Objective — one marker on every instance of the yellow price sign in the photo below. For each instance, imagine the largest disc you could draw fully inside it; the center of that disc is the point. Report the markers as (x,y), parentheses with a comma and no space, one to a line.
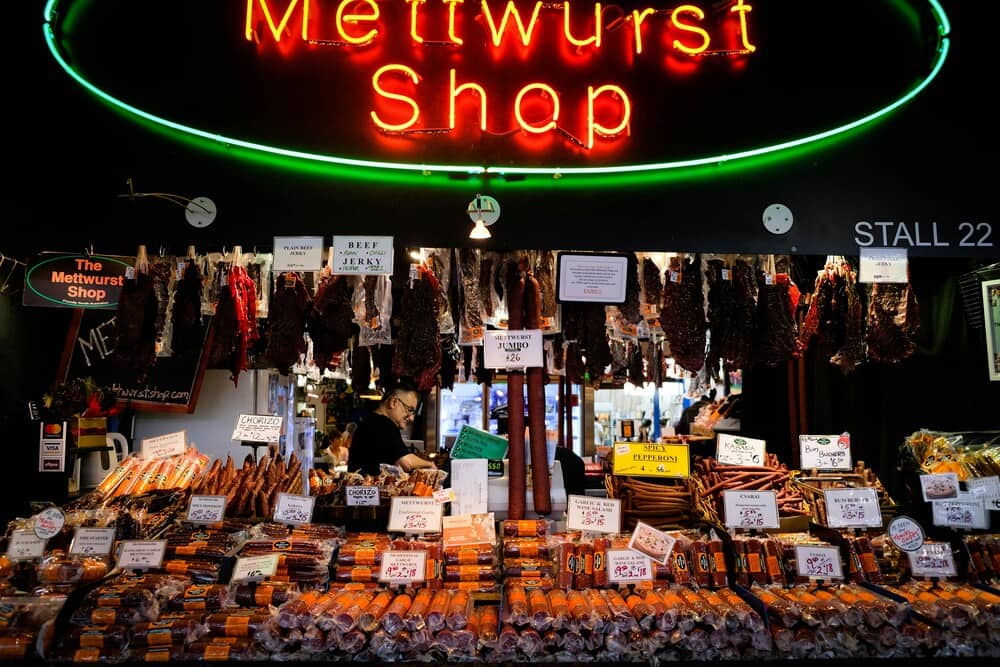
(652,459)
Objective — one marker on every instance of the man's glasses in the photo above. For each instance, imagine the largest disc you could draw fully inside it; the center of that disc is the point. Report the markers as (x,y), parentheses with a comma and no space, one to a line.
(410,410)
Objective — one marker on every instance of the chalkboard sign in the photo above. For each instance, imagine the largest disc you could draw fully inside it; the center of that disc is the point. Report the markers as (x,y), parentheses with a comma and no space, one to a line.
(171,384)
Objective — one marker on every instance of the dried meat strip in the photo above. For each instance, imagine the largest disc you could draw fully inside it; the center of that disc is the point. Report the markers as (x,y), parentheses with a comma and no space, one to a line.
(683,315)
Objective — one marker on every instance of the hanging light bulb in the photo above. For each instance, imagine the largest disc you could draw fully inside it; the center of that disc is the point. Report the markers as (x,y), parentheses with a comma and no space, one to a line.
(480,231)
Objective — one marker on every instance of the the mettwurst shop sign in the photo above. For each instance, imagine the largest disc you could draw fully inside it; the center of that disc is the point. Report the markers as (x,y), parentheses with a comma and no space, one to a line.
(75,281)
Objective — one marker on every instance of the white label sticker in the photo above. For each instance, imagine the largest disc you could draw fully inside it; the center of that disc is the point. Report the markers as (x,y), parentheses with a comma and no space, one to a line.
(906,534)
(25,545)
(513,349)
(652,542)
(403,567)
(818,562)
(594,515)
(141,554)
(206,509)
(412,514)
(739,451)
(163,446)
(626,566)
(882,265)
(92,541)
(257,428)
(827,452)
(751,509)
(255,568)
(294,509)
(852,508)
(933,559)
(49,522)
(362,496)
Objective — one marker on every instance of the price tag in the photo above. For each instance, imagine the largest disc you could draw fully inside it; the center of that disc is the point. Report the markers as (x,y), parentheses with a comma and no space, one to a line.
(294,509)
(625,566)
(164,446)
(403,567)
(255,568)
(933,559)
(442,496)
(362,496)
(206,509)
(594,515)
(257,428)
(651,542)
(25,545)
(513,349)
(906,534)
(412,514)
(494,468)
(828,452)
(92,542)
(739,451)
(751,509)
(141,554)
(49,522)
(852,508)
(987,488)
(652,459)
(966,511)
(818,562)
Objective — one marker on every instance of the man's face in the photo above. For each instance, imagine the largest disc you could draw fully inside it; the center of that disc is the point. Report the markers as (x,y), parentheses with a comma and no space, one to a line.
(403,407)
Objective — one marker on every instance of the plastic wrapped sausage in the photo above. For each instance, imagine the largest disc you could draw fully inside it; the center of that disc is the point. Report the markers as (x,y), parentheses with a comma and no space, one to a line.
(264,594)
(348,614)
(559,607)
(567,565)
(235,624)
(201,598)
(416,615)
(600,568)
(469,572)
(166,632)
(393,619)
(719,574)
(584,566)
(459,610)
(529,547)
(524,527)
(538,609)
(472,554)
(516,610)
(436,612)
(110,637)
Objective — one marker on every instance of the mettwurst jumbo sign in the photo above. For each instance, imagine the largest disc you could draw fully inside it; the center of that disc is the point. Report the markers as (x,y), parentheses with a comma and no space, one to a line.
(75,281)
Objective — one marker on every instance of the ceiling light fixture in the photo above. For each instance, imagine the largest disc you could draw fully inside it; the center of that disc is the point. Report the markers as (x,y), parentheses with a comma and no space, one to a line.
(483,210)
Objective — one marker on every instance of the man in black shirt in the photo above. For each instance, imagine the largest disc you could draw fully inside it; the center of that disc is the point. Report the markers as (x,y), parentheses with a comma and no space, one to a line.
(377,439)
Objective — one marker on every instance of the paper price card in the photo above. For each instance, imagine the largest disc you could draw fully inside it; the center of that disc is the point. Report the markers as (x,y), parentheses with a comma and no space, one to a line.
(25,545)
(852,508)
(49,522)
(906,534)
(294,509)
(207,509)
(933,559)
(751,509)
(966,511)
(987,488)
(362,496)
(255,568)
(403,567)
(593,515)
(164,446)
(652,459)
(141,554)
(412,514)
(625,566)
(828,452)
(739,451)
(818,562)
(513,349)
(257,428)
(92,541)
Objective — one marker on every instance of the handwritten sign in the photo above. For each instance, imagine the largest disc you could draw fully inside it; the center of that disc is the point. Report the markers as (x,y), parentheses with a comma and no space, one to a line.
(294,509)
(933,559)
(987,488)
(25,545)
(403,567)
(818,562)
(413,514)
(593,515)
(906,534)
(92,541)
(852,508)
(966,511)
(141,554)
(362,496)
(49,522)
(362,255)
(625,566)
(206,509)
(257,428)
(882,265)
(513,349)
(652,459)
(255,568)
(297,253)
(739,451)
(827,452)
(164,446)
(442,496)
(751,509)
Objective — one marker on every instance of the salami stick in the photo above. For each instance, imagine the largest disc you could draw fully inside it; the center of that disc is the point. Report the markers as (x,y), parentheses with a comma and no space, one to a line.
(540,484)
(515,289)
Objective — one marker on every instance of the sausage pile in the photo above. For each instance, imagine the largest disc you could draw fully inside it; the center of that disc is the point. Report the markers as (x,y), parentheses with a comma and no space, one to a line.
(711,478)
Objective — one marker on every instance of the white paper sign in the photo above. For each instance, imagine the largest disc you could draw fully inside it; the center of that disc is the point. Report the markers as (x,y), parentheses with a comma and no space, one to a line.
(625,566)
(141,554)
(413,514)
(25,545)
(294,509)
(592,278)
(362,496)
(986,488)
(739,451)
(257,428)
(513,349)
(651,542)
(469,481)
(934,559)
(206,509)
(48,522)
(966,511)
(297,253)
(255,568)
(852,508)
(164,446)
(92,541)
(593,515)
(941,486)
(403,567)
(882,265)
(906,533)
(818,562)
(827,452)
(751,509)
(362,255)
(443,496)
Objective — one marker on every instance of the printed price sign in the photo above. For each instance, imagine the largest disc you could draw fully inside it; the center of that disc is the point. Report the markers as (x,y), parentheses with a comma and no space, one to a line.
(852,508)
(403,567)
(362,496)
(412,514)
(739,451)
(293,509)
(751,509)
(828,452)
(141,554)
(934,559)
(625,566)
(257,428)
(652,459)
(882,265)
(593,515)
(25,545)
(92,542)
(513,349)
(906,534)
(255,568)
(164,446)
(818,562)
(49,522)
(987,488)
(207,509)
(966,511)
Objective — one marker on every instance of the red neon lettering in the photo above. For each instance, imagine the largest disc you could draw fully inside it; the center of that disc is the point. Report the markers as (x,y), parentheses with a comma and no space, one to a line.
(276,30)
(552,95)
(452,4)
(699,15)
(637,19)
(414,5)
(453,94)
(510,11)
(743,10)
(594,39)
(376,84)
(342,18)
(593,127)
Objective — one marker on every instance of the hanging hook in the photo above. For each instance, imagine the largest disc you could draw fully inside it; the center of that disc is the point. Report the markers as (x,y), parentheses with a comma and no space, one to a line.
(161,250)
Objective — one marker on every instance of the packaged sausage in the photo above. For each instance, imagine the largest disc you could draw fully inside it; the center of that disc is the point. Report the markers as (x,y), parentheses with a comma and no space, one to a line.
(524,527)
(527,567)
(263,594)
(601,562)
(471,554)
(469,572)
(584,575)
(166,632)
(701,563)
(719,574)
(234,624)
(567,564)
(529,547)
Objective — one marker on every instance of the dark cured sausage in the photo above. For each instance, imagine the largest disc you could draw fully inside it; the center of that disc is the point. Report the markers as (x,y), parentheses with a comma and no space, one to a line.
(540,485)
(515,400)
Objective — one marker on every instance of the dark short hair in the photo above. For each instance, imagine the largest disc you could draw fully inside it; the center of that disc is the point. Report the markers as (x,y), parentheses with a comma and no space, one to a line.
(398,389)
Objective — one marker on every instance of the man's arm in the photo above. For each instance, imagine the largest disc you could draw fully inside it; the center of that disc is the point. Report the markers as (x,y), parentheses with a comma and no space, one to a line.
(410,462)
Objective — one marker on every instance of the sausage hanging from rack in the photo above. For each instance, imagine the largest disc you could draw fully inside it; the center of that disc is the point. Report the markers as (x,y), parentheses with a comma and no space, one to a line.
(515,290)
(540,483)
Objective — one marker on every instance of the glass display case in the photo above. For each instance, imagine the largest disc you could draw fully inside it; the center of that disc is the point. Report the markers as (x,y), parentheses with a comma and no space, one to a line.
(463,404)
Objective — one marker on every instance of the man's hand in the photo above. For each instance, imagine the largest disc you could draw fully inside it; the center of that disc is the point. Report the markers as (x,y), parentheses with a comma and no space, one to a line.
(410,462)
